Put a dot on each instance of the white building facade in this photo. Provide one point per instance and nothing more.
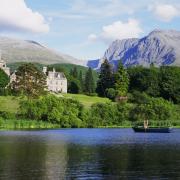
(56, 81)
(4, 67)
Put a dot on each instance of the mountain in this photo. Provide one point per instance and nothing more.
(15, 50)
(160, 47)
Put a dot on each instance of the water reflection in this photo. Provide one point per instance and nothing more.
(85, 154)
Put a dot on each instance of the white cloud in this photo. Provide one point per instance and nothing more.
(92, 37)
(98, 9)
(16, 16)
(165, 12)
(118, 30)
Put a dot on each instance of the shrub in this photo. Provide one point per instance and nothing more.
(108, 114)
(7, 115)
(153, 109)
(111, 93)
(65, 112)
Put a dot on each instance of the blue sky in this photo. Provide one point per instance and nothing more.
(85, 28)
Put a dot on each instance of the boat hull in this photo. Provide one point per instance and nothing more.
(152, 130)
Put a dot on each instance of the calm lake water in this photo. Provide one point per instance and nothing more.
(89, 154)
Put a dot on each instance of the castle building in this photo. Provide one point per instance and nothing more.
(56, 81)
(4, 67)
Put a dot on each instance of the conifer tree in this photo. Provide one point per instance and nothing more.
(121, 81)
(106, 79)
(75, 72)
(80, 78)
(89, 85)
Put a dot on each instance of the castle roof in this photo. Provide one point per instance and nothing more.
(56, 75)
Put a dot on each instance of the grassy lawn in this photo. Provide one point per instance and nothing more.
(9, 104)
(87, 101)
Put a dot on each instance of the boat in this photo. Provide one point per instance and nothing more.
(148, 129)
(152, 129)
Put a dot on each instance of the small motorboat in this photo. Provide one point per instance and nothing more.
(152, 129)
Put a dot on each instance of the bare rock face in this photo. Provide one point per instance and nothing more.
(159, 47)
(15, 50)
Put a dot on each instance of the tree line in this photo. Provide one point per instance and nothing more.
(161, 81)
(120, 83)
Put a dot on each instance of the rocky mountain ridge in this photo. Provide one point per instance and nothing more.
(160, 47)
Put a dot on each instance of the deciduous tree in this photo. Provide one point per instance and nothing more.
(29, 81)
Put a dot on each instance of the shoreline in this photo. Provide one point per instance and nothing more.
(59, 128)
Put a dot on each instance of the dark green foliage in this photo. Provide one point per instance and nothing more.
(156, 82)
(75, 72)
(65, 112)
(153, 109)
(121, 80)
(138, 97)
(4, 80)
(108, 114)
(15, 66)
(30, 81)
(170, 83)
(111, 93)
(74, 86)
(89, 84)
(7, 115)
(81, 80)
(58, 69)
(106, 79)
(144, 80)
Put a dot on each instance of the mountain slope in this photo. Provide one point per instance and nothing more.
(159, 47)
(14, 50)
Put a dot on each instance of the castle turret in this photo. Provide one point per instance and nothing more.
(44, 70)
(3, 65)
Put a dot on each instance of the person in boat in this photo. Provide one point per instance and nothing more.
(145, 124)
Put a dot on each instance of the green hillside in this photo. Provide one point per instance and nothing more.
(66, 68)
(11, 103)
(87, 101)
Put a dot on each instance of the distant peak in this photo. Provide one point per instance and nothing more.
(165, 32)
(34, 42)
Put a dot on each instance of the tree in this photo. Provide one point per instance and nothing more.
(29, 81)
(170, 83)
(144, 80)
(75, 72)
(106, 79)
(111, 93)
(89, 85)
(74, 86)
(80, 78)
(4, 79)
(58, 68)
(153, 109)
(121, 81)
